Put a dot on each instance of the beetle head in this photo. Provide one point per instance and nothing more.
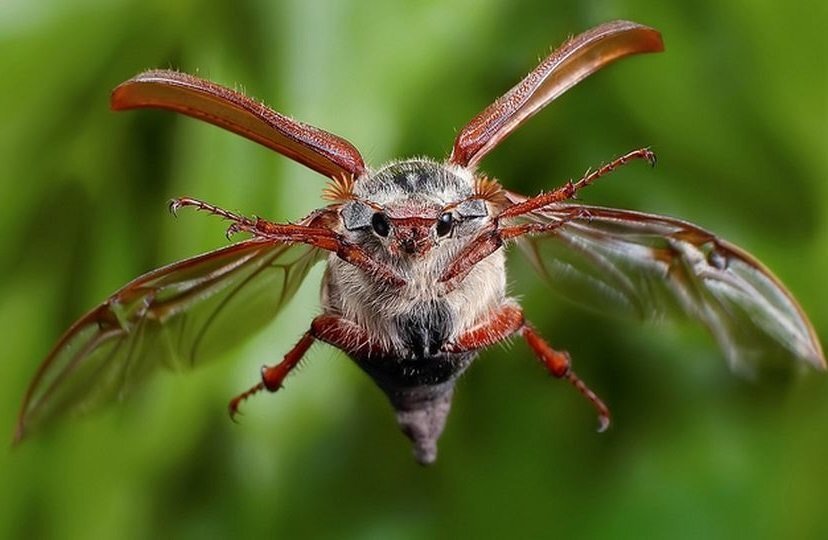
(411, 208)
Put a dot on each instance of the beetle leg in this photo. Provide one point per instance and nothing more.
(559, 364)
(503, 323)
(346, 336)
(273, 376)
(324, 238)
(238, 224)
(508, 233)
(336, 331)
(320, 237)
(492, 239)
(570, 189)
(486, 243)
(508, 320)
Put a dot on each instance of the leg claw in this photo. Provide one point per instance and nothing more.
(650, 156)
(603, 423)
(233, 406)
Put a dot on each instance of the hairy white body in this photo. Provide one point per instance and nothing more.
(404, 189)
(349, 293)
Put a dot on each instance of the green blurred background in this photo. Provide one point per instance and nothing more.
(736, 109)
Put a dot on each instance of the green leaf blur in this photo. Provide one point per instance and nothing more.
(736, 109)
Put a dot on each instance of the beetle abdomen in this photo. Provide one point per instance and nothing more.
(425, 328)
(420, 390)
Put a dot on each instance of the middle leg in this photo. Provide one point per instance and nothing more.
(273, 376)
(336, 331)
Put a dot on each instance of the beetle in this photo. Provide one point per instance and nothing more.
(415, 282)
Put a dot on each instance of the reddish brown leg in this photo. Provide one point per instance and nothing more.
(336, 331)
(490, 241)
(478, 249)
(273, 376)
(236, 219)
(508, 320)
(503, 323)
(320, 237)
(345, 336)
(570, 189)
(559, 365)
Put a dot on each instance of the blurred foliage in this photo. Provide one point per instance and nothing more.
(737, 110)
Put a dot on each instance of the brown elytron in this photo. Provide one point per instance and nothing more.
(415, 282)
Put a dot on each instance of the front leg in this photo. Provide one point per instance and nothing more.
(301, 233)
(509, 320)
(570, 189)
(492, 239)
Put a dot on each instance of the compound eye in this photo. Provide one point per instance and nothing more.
(444, 224)
(380, 224)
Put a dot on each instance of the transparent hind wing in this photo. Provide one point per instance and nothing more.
(175, 317)
(653, 267)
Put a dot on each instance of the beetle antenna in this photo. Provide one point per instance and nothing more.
(339, 189)
(489, 189)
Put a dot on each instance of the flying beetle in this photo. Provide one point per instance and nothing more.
(415, 281)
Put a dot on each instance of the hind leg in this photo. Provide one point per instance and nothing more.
(509, 320)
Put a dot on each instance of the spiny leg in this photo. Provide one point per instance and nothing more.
(506, 321)
(317, 236)
(500, 324)
(346, 336)
(493, 239)
(257, 226)
(570, 189)
(336, 331)
(273, 376)
(489, 241)
(559, 364)
(238, 223)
